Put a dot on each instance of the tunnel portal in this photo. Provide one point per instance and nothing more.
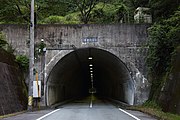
(72, 77)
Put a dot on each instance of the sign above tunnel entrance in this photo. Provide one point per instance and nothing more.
(89, 40)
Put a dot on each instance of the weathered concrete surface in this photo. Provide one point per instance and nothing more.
(13, 97)
(17, 36)
(125, 41)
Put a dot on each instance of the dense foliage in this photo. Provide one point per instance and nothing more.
(163, 8)
(23, 62)
(164, 38)
(18, 11)
(82, 11)
(2, 40)
(87, 11)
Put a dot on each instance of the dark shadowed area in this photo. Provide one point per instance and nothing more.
(71, 77)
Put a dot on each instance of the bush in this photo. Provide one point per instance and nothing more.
(108, 13)
(3, 41)
(55, 20)
(23, 62)
(152, 104)
(164, 38)
(73, 18)
(68, 19)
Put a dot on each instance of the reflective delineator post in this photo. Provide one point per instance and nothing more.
(31, 59)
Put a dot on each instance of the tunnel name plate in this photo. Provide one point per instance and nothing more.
(89, 40)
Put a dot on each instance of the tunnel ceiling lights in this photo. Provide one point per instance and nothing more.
(91, 71)
(91, 68)
(90, 65)
(90, 58)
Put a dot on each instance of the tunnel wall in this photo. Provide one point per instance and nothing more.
(65, 81)
(126, 41)
(70, 77)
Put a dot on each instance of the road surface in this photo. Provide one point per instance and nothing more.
(90, 108)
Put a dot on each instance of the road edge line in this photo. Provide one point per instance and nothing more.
(129, 114)
(48, 114)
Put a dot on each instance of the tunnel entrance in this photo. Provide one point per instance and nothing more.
(83, 69)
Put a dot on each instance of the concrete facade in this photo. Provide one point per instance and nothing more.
(125, 41)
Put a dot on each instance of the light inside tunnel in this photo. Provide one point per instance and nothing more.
(72, 77)
(90, 58)
(90, 65)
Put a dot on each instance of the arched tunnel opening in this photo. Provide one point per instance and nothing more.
(83, 69)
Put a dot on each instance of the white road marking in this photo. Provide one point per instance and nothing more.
(90, 104)
(129, 114)
(47, 114)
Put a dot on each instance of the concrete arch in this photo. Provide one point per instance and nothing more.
(70, 77)
(53, 56)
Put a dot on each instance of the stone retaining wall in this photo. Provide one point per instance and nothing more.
(13, 92)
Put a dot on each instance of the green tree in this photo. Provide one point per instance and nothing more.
(18, 11)
(47, 8)
(85, 7)
(133, 4)
(163, 8)
(13, 11)
(109, 13)
(23, 62)
(164, 38)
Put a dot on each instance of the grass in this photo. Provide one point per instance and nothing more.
(157, 113)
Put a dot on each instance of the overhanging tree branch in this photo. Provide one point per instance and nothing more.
(20, 12)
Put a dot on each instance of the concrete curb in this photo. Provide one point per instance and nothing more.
(61, 103)
(118, 103)
(12, 114)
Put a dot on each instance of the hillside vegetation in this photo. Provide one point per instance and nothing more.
(83, 11)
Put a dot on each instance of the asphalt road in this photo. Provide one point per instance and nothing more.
(90, 108)
(93, 109)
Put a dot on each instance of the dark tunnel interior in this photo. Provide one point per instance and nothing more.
(79, 71)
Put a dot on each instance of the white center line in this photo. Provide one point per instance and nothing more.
(90, 104)
(129, 114)
(47, 114)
